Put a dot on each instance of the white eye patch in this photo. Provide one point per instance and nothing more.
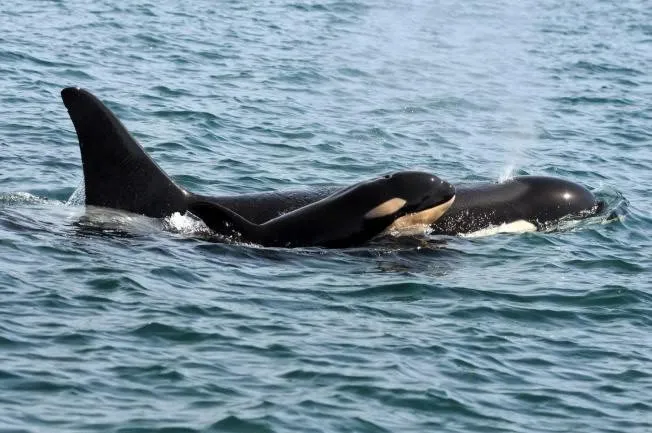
(386, 208)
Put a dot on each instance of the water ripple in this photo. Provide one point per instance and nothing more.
(113, 322)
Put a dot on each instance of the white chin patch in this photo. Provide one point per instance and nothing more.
(520, 226)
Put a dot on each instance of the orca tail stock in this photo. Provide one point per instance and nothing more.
(118, 173)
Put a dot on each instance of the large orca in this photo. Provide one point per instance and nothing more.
(119, 174)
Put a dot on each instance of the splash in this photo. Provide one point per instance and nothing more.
(184, 224)
(507, 173)
(20, 197)
(78, 197)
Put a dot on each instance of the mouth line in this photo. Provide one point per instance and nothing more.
(423, 207)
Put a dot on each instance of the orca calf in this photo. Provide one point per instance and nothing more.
(348, 217)
(119, 174)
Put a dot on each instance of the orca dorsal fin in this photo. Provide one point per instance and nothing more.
(117, 172)
(224, 221)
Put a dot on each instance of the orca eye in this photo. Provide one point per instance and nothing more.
(387, 176)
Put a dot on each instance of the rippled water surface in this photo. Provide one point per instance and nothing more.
(116, 323)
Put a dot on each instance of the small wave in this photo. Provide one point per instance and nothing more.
(151, 429)
(13, 56)
(146, 373)
(234, 424)
(605, 68)
(20, 198)
(156, 330)
(592, 100)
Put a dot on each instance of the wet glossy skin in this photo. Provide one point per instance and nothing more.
(119, 174)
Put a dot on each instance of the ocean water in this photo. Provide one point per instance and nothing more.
(116, 323)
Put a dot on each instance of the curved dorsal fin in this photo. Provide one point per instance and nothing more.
(117, 172)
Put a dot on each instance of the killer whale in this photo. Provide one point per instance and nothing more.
(529, 203)
(350, 216)
(119, 174)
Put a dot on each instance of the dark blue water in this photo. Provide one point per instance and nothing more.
(116, 323)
